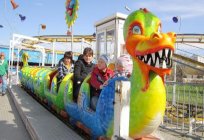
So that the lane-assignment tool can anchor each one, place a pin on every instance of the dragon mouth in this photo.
(160, 59)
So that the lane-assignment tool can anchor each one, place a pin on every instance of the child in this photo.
(82, 68)
(65, 66)
(99, 75)
(123, 66)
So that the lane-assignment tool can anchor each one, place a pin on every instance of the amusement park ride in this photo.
(137, 34)
(151, 52)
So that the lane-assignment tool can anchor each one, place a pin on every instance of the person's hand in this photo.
(105, 83)
(101, 86)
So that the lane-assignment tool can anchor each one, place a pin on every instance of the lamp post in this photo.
(175, 19)
(127, 8)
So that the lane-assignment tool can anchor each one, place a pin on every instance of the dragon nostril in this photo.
(155, 35)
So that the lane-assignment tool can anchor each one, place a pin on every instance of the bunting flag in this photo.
(71, 11)
(22, 17)
(43, 26)
(14, 5)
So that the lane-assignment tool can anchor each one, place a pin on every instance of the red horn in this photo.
(14, 5)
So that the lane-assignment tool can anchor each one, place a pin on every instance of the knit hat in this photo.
(105, 58)
(125, 61)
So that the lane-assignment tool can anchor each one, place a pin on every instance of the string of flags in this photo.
(15, 5)
(21, 16)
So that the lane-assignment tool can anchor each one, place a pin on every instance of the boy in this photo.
(65, 66)
(99, 75)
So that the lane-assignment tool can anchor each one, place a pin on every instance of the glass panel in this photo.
(101, 43)
(110, 37)
(123, 49)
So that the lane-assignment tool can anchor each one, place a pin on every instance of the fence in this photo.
(185, 108)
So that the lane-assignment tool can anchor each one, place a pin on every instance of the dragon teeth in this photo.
(157, 63)
(145, 58)
(164, 65)
(160, 59)
(166, 52)
(153, 56)
(149, 62)
(160, 53)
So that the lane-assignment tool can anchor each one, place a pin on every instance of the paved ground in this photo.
(40, 123)
(11, 125)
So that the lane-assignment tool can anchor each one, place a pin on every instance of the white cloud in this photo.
(183, 8)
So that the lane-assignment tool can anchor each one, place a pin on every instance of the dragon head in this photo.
(25, 58)
(147, 45)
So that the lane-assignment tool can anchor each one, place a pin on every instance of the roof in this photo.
(110, 18)
(66, 38)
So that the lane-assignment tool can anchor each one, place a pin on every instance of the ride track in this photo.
(151, 52)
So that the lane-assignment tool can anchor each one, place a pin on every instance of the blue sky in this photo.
(52, 13)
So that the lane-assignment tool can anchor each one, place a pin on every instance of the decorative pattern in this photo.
(72, 7)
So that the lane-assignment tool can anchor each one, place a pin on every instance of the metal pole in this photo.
(72, 38)
(39, 29)
(9, 57)
(82, 45)
(174, 86)
(53, 53)
(40, 60)
(9, 69)
(105, 39)
(17, 66)
(56, 59)
(43, 57)
(203, 111)
(121, 110)
(12, 50)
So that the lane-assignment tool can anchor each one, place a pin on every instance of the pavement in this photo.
(11, 124)
(39, 122)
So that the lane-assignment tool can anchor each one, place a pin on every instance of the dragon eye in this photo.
(136, 30)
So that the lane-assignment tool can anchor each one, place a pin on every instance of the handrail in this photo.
(189, 62)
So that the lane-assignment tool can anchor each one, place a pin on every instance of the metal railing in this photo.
(185, 108)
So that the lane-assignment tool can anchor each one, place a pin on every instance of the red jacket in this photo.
(98, 77)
